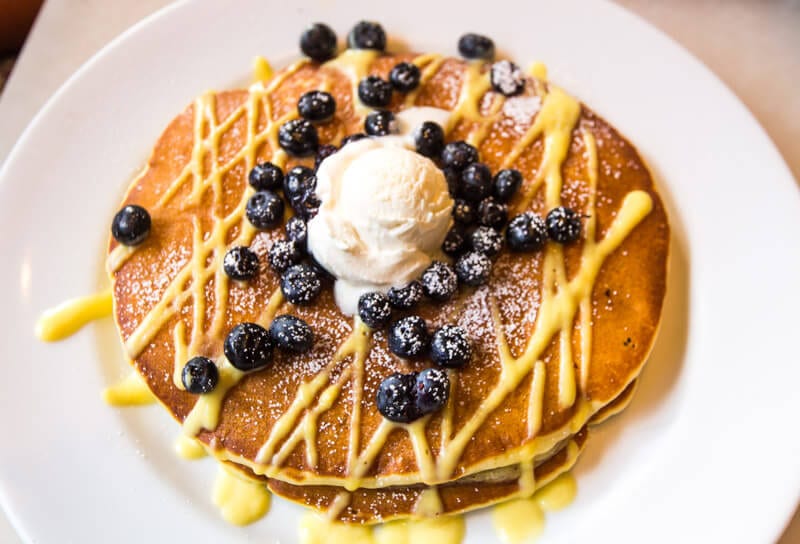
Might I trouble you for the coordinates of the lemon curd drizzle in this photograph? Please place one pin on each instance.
(562, 300)
(69, 317)
(522, 520)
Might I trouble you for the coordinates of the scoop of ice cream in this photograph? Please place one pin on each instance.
(384, 214)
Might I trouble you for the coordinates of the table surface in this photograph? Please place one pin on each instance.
(752, 45)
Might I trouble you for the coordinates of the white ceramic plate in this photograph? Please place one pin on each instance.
(707, 452)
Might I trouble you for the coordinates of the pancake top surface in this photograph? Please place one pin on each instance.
(556, 334)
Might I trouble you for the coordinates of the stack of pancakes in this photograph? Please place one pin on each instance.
(559, 336)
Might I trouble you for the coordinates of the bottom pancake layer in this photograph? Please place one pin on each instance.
(370, 505)
(381, 505)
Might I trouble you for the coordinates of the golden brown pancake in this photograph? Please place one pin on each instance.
(468, 493)
(380, 505)
(311, 419)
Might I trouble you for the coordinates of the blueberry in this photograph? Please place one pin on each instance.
(526, 232)
(454, 242)
(240, 263)
(307, 205)
(301, 284)
(396, 398)
(464, 212)
(266, 177)
(374, 310)
(248, 346)
(323, 153)
(491, 213)
(200, 375)
(506, 183)
(298, 182)
(320, 270)
(459, 155)
(408, 336)
(486, 240)
(283, 254)
(476, 46)
(374, 91)
(367, 35)
(297, 231)
(476, 181)
(380, 123)
(563, 225)
(439, 281)
(291, 334)
(405, 77)
(318, 42)
(298, 137)
(433, 390)
(406, 297)
(453, 178)
(131, 225)
(507, 78)
(473, 268)
(353, 138)
(264, 210)
(316, 106)
(450, 347)
(429, 139)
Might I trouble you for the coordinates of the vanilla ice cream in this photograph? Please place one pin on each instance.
(384, 214)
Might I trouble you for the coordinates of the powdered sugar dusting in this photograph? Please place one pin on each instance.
(521, 110)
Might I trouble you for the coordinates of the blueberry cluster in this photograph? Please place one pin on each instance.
(265, 209)
(480, 214)
(404, 398)
(298, 137)
(301, 281)
(249, 346)
(438, 283)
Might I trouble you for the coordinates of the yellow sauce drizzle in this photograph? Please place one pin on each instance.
(208, 252)
(205, 413)
(262, 69)
(538, 70)
(561, 301)
(429, 65)
(355, 63)
(189, 448)
(339, 503)
(585, 310)
(240, 500)
(522, 520)
(558, 494)
(118, 256)
(527, 478)
(429, 504)
(69, 317)
(518, 521)
(132, 391)
(316, 529)
(441, 530)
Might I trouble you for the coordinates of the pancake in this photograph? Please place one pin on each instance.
(382, 505)
(557, 335)
(463, 495)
